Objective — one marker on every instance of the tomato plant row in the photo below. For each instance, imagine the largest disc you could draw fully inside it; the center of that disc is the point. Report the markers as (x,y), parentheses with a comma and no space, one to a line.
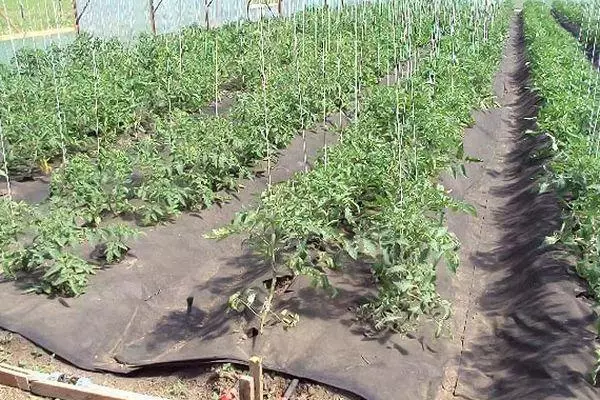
(377,199)
(585,17)
(122,122)
(570,90)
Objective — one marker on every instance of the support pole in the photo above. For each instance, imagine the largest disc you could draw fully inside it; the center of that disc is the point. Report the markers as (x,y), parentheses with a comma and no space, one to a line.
(206,19)
(257,375)
(246,388)
(216,21)
(152,16)
(76,16)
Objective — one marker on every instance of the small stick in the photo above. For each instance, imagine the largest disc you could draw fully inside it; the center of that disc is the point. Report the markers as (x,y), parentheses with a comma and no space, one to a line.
(290,390)
(267,305)
(63,302)
(246,388)
(257,375)
(190,301)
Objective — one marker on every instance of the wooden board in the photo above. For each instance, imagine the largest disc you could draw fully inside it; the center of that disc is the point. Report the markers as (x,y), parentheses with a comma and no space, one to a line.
(257,375)
(38,383)
(92,392)
(246,388)
(9,377)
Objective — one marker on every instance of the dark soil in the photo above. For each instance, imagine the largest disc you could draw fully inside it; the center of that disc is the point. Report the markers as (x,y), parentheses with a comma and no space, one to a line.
(34,189)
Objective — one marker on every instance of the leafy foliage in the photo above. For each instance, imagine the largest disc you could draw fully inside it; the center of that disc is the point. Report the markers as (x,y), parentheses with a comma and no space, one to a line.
(46,245)
(584,15)
(376,199)
(569,87)
(123,130)
(67,275)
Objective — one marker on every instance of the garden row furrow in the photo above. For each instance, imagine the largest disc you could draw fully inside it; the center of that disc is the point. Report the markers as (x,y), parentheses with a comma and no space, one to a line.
(525,332)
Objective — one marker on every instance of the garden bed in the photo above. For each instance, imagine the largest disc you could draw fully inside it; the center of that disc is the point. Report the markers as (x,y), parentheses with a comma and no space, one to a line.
(338,244)
(167,302)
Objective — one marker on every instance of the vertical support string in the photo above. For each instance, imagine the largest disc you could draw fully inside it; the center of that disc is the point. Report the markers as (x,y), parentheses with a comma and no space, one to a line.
(5,163)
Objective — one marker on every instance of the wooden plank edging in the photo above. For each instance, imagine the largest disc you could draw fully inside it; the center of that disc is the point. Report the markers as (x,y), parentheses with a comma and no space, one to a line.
(39,384)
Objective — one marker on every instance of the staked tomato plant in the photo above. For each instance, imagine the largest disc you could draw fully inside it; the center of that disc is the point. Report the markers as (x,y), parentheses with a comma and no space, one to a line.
(375,199)
(121,127)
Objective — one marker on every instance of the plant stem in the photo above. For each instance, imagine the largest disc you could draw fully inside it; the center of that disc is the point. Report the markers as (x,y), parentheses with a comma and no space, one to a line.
(267,306)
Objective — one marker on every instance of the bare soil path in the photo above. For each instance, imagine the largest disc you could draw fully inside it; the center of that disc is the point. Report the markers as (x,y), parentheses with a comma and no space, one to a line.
(523,332)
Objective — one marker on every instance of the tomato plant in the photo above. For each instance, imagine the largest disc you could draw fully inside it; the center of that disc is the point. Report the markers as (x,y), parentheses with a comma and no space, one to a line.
(375,198)
(569,88)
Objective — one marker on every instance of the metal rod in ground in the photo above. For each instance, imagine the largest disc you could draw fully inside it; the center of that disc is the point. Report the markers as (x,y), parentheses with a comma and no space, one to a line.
(290,390)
